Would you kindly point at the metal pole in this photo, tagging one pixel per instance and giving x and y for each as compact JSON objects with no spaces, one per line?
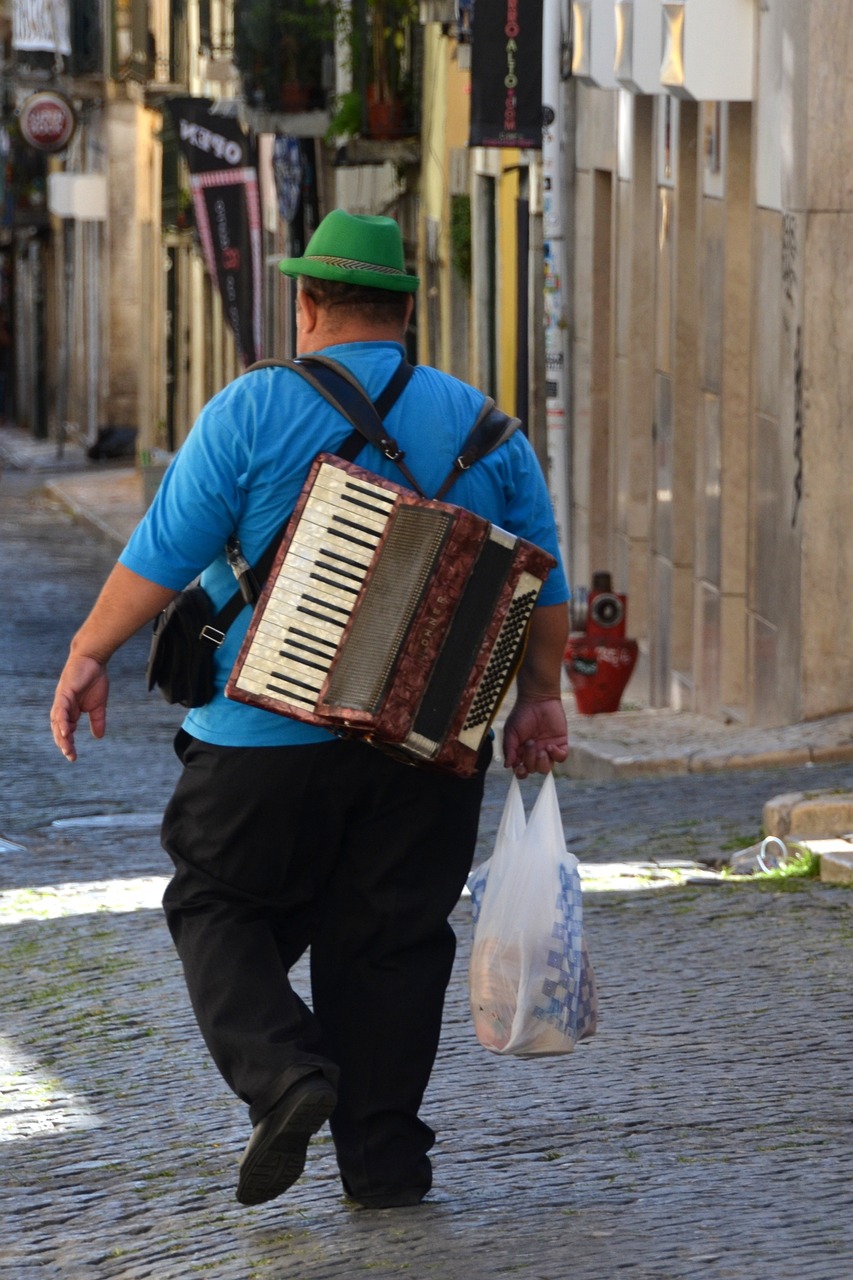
{"x":65,"y":350}
{"x":557,"y":284}
{"x":537,"y":379}
{"x":92,"y":272}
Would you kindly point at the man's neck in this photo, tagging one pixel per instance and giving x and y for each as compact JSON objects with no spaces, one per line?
{"x":336,"y":335}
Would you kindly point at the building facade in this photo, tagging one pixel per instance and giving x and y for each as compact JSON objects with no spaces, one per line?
{"x":114,"y":321}
{"x":711,"y":345}
{"x":666,"y":308}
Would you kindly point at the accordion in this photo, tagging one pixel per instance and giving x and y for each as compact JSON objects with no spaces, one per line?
{"x":390,"y":617}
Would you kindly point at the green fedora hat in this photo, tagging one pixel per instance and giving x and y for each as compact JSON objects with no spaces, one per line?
{"x":355,"y":249}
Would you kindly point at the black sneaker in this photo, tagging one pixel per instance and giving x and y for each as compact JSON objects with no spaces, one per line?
{"x":275,"y":1155}
{"x":405,"y":1199}
{"x":404,"y":1195}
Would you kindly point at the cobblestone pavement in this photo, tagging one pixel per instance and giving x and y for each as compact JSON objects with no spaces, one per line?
{"x":704,"y":1132}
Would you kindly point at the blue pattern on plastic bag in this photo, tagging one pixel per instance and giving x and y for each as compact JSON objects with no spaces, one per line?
{"x":561,"y":985}
{"x":568,"y":993}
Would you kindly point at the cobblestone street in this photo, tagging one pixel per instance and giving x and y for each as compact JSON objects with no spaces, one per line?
{"x":704,"y":1132}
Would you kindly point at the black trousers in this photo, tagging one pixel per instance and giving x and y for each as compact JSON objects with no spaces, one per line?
{"x":336,"y":847}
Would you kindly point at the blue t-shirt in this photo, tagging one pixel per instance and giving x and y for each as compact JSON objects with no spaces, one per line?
{"x":243,"y":466}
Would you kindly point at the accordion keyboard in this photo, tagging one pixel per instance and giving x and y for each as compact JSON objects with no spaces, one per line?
{"x":311,"y":601}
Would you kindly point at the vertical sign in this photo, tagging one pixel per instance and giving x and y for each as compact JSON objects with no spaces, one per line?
{"x":506,"y":74}
{"x":556,"y":284}
{"x":226,"y":202}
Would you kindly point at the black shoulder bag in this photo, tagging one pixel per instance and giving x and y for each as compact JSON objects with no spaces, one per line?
{"x":188,"y":632}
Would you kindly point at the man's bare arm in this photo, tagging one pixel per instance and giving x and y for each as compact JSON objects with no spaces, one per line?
{"x":535,"y":734}
{"x":127,"y":601}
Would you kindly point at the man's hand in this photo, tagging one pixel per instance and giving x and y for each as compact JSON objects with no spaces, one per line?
{"x":126,"y":602}
{"x":535,"y":736}
{"x":83,"y":689}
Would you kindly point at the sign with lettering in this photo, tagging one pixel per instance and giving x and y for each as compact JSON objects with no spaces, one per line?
{"x":47,"y":121}
{"x":506,"y":74}
{"x":223,"y":169}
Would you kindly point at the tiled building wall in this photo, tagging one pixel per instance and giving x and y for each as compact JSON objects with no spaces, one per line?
{"x":713,"y":384}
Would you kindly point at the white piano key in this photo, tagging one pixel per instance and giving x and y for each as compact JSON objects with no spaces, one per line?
{"x":313,"y":541}
{"x":332,"y":479}
{"x":287,"y":603}
{"x":251,"y":682}
{"x":306,"y":578}
{"x":267,"y":655}
{"x":325,"y":514}
{"x":281,"y":674}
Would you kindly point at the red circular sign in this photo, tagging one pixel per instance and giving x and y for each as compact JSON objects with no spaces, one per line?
{"x":47,"y":121}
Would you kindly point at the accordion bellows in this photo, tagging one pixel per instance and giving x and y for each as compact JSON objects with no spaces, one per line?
{"x":390,"y":617}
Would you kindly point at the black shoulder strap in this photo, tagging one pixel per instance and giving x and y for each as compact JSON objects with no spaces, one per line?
{"x":397,"y":383}
{"x":345,"y":393}
{"x":491,"y":429}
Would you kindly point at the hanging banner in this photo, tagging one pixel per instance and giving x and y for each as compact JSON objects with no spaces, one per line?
{"x":226,"y":203}
{"x":506,"y":74}
{"x":41,"y":25}
{"x":287,"y":167}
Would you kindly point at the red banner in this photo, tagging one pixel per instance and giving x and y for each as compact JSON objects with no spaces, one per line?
{"x":506,"y":74}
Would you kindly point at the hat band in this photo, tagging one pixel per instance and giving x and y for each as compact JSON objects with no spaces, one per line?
{"x":351,"y":264}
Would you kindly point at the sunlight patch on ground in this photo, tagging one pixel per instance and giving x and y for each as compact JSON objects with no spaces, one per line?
{"x":145,"y":893}
{"x":605,"y":877}
{"x":33,"y":1103}
{"x":129,"y":821}
{"x":51,"y":901}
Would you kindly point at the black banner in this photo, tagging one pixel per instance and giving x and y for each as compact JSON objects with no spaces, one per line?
{"x":506,"y":74}
{"x":226,"y":203}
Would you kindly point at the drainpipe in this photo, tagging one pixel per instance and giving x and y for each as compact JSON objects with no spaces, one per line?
{"x":557,"y":207}
{"x":64,"y":361}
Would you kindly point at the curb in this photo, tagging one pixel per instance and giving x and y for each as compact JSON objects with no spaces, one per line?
{"x":813,"y":815}
{"x":597,"y":765}
{"x":113,"y":519}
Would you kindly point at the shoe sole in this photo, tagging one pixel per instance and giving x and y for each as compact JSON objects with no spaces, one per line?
{"x":277,"y":1159}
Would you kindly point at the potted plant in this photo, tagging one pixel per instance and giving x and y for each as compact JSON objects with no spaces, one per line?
{"x":279,"y":49}
{"x":390,"y":25}
{"x":379,"y":36}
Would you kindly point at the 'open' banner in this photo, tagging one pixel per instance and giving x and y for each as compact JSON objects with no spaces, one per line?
{"x":226,"y":203}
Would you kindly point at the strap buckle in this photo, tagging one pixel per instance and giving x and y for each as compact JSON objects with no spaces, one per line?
{"x":212,"y":634}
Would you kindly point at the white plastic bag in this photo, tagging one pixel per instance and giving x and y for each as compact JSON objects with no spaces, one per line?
{"x":531,"y":983}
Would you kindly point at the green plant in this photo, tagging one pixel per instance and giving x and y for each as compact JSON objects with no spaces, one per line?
{"x":347,"y":118}
{"x":389,"y":20}
{"x":378,"y":36}
{"x":801,"y":864}
{"x":804,"y":865}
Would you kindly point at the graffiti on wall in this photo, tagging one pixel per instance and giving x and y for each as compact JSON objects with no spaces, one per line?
{"x":798,"y":427}
{"x":790,"y":253}
{"x":789,"y":256}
